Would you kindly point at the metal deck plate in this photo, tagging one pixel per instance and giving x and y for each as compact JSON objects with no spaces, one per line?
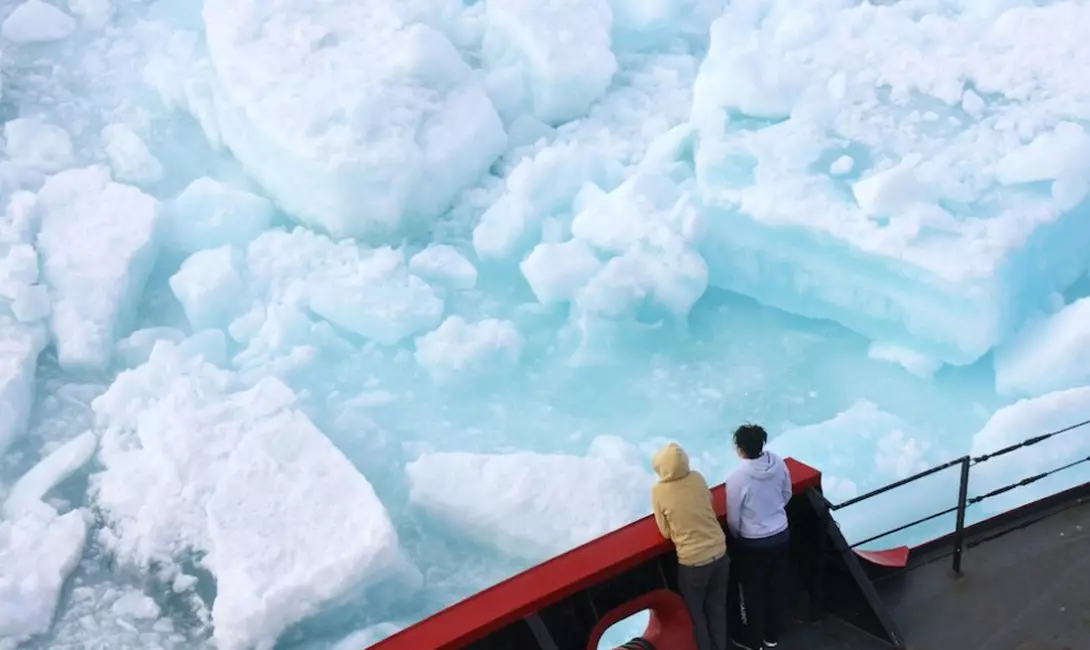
{"x":1028,"y":589}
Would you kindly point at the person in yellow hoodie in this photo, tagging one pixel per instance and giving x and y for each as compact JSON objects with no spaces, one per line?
{"x":683,"y":511}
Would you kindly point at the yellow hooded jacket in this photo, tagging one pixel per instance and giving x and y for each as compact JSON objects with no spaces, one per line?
{"x":683,"y":509}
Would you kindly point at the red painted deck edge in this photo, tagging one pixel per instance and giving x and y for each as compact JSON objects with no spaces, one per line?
{"x":483,"y":613}
{"x":891,"y":558}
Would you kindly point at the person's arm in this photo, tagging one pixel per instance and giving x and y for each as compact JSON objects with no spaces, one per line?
{"x":735,"y":497}
{"x":660,"y":516}
{"x":786,"y":486}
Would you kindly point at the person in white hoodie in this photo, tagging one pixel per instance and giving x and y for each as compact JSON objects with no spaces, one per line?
{"x":757,"y":496}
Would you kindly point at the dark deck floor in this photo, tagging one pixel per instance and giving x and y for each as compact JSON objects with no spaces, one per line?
{"x":1028,"y":589}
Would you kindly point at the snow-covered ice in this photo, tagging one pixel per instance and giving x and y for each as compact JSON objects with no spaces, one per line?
{"x":345,"y":141}
{"x":934,"y":239}
{"x":97,"y":243}
{"x":550,"y":503}
{"x":318,"y":317}
{"x":197,"y":466}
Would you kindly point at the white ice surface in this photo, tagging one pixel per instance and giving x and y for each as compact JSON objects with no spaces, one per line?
{"x":197,"y":463}
{"x":23,"y":305}
{"x":209,"y":213}
{"x":560,"y":50}
{"x":19,"y":349}
{"x":129,"y":157}
{"x":445,"y":265}
{"x":457,"y":347}
{"x":38,"y":546}
{"x":934,"y":241}
{"x":529,"y":505}
{"x":36,"y":21}
{"x":1048,"y":354}
{"x":1023,"y":420}
{"x":359,"y":119}
{"x":95,"y":262}
{"x":38,"y":145}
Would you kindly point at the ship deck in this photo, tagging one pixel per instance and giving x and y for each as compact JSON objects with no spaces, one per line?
{"x":1025,"y":585}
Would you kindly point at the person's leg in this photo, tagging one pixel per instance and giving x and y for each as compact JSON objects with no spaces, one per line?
{"x":778,"y":595}
{"x":715,"y":605}
{"x":752,"y":597}
{"x":693,"y":584}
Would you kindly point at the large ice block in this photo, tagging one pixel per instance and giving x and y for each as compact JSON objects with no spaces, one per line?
{"x":196,"y":463}
{"x":529,"y":505}
{"x":357,"y":118}
{"x":1017,"y":423}
{"x":963,"y":203}
{"x":560,"y":49}
{"x":97,"y":243}
{"x":1049,"y":354}
{"x":39,"y":547}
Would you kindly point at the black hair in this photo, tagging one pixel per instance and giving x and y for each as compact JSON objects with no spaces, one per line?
{"x":751,"y":439}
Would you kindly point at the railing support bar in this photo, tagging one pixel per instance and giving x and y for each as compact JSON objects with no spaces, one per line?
{"x":963,"y":503}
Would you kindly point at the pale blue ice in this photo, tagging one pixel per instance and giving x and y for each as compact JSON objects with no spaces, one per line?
{"x":316,"y":318}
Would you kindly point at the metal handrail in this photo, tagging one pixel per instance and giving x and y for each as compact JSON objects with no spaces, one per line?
{"x":964,"y":500}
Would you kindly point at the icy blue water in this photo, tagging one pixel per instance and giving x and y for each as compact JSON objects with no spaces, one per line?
{"x":318,"y":317}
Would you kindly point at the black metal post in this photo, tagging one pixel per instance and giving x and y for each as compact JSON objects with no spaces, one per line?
{"x":817,"y":586}
{"x":959,"y":530}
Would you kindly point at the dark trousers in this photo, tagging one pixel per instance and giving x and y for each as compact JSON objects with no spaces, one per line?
{"x":762,"y":572}
{"x":704,"y":589}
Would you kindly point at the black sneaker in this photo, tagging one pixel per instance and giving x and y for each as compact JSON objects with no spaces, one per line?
{"x":739,"y":644}
{"x":771,"y":644}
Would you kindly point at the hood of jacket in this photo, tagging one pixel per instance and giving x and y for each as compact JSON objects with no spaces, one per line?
{"x":671,"y":463}
{"x":761,"y":468}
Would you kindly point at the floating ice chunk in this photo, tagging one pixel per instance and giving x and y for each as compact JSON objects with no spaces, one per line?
{"x":30,"y":490}
{"x":972,"y":104}
{"x":38,"y":547}
{"x":209,"y":287}
{"x":951,"y":275}
{"x":134,"y":349}
{"x":642,"y":22}
{"x":537,"y":188}
{"x":1050,"y":156}
{"x":37,"y":550}
{"x":529,"y":505}
{"x":378,"y":300}
{"x":861,"y":449}
{"x":556,"y":272}
{"x":97,"y":243}
{"x":443,"y":264}
{"x":357,"y":119}
{"x":842,"y":165}
{"x":1023,"y":420}
{"x":269,"y":575}
{"x":95,"y":14}
{"x":36,"y":144}
{"x":134,"y":605}
{"x":129,"y":157}
{"x":208,"y":214}
{"x":673,"y":279}
{"x":36,"y":21}
{"x":1049,"y":354}
{"x":29,"y":301}
{"x":458,"y":346}
{"x":562,"y":50}
{"x":209,"y":345}
{"x":20,"y":346}
{"x":646,"y":208}
{"x":196,"y":464}
{"x":738,"y":75}
{"x":912,"y":361}
{"x":887,"y":192}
